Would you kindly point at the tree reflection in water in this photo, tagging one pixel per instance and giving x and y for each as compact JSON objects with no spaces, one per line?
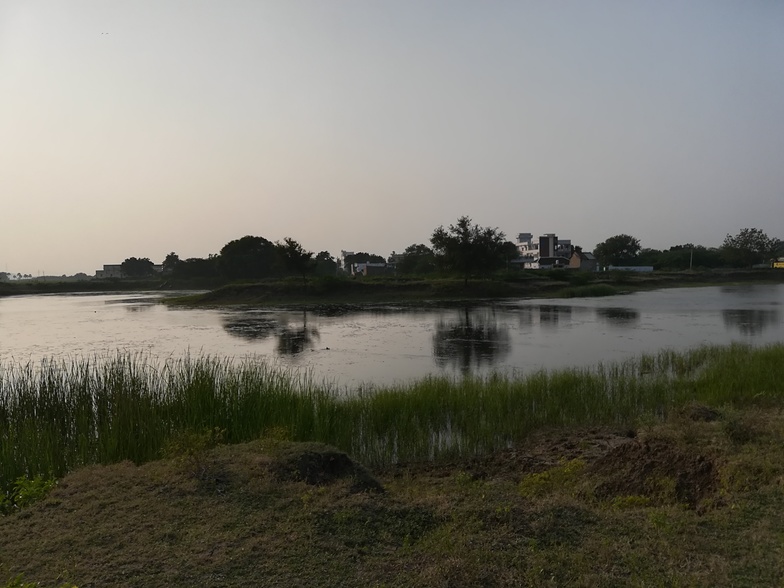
{"x":550,"y":315}
{"x":291,"y":340}
{"x":249,"y":326}
{"x":473,"y":340}
{"x":619,"y":316}
{"x":749,"y":321}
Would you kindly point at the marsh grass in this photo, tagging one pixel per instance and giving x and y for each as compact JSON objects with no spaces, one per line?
{"x":58,"y":415}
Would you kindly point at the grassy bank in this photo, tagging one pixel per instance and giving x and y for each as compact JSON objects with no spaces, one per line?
{"x":60,"y":415}
{"x":526,"y":284}
{"x":693,"y":499}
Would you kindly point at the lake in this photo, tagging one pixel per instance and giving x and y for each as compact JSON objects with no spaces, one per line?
{"x":384,"y":344}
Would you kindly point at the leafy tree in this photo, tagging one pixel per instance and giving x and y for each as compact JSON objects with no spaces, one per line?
{"x":171,"y":262}
{"x":295,"y":258}
{"x":510,"y":251}
{"x":467,"y":248}
{"x":197,"y":267}
{"x":249,"y":258}
{"x":137,"y":267}
{"x":748,"y":247}
{"x":648,"y":256}
{"x":325,"y":264}
{"x":617,"y":250}
{"x":417,"y":259}
{"x":361,"y":257}
{"x":4,"y":276}
{"x":688,"y":255}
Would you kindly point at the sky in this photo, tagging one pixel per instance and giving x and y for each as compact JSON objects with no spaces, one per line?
{"x":133,"y":129}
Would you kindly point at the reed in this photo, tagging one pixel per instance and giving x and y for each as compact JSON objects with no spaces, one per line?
{"x":60,"y":414}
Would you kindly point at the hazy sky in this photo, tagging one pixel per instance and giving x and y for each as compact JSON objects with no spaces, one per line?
{"x":140,"y":128}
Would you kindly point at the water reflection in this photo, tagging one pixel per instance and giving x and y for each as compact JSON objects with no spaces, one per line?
{"x":749,"y":321}
{"x":138,"y":307}
{"x":551,"y":315}
{"x":472,"y":340}
{"x":249,"y":326}
{"x":619,"y":316}
{"x":291,"y":339}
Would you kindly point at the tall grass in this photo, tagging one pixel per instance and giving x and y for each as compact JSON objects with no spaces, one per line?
{"x":57,"y":415}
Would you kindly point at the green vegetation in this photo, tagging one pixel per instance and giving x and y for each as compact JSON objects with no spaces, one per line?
{"x":57,"y":416}
{"x":684,"y":502}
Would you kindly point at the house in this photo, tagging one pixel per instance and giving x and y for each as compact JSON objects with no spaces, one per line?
{"x":114,"y":270}
{"x":111,"y":270}
{"x":368,"y":269}
{"x":583,"y":261}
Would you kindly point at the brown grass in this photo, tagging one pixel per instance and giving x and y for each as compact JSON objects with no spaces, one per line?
{"x":692,"y":502}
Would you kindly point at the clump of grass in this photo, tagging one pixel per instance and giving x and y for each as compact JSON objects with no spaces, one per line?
{"x":562,"y":477}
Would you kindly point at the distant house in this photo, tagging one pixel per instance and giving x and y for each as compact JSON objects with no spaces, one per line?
{"x":583,"y":261}
{"x":368,"y":269}
{"x":546,"y":252}
{"x":114,"y":270}
{"x":111,"y":270}
{"x":553,"y":262}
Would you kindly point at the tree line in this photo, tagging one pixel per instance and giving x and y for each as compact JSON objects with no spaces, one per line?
{"x":464,"y":248}
{"x":749,"y":247}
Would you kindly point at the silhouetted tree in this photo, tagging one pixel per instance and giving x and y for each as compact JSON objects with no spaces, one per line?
{"x":249,"y":258}
{"x":295,"y":258}
{"x":361,"y":257}
{"x":748,"y":247}
{"x":325,"y":264}
{"x":617,"y":250}
{"x":417,"y":259}
{"x":171,"y":262}
{"x":197,"y":267}
{"x":467,"y":248}
{"x":137,"y":267}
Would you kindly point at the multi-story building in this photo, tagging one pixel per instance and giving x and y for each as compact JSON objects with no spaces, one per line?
{"x":548,"y":251}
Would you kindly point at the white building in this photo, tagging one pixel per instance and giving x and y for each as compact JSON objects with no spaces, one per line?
{"x":546,"y":252}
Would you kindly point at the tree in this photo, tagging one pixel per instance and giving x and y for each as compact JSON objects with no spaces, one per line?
{"x":617,"y":250}
{"x":748,"y":247}
{"x":467,"y":248}
{"x":198,"y":267}
{"x":171,"y":262}
{"x":510,"y":252}
{"x":249,"y":258}
{"x":295,"y":258}
{"x":325,"y":264}
{"x":137,"y":267}
{"x":361,"y":257}
{"x":417,"y":259}
{"x":688,"y":255}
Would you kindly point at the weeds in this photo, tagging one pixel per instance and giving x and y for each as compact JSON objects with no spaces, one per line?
{"x":24,"y":492}
{"x":59,"y":415}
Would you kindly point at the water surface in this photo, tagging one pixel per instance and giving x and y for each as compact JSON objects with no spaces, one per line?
{"x":388,"y":344}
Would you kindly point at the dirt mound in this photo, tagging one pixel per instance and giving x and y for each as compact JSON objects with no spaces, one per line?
{"x":320,"y":465}
{"x":657,"y":469}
